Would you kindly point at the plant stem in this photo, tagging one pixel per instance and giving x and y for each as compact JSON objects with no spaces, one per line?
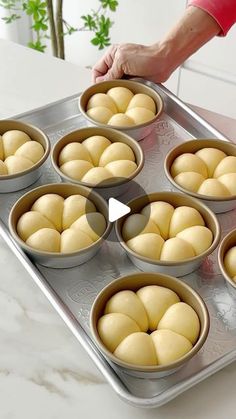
{"x":59,"y":29}
{"x":52,"y":27}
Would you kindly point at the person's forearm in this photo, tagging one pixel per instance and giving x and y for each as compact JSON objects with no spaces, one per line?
{"x":193,"y":30}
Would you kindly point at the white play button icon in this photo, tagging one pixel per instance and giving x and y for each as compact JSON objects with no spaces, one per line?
{"x":116,"y":209}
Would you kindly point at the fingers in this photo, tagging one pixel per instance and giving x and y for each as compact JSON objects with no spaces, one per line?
{"x":104,"y":64}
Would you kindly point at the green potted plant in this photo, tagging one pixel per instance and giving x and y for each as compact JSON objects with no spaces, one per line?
{"x":48,"y":22}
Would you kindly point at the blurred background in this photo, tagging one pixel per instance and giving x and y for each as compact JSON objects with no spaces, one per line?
{"x":208,"y":79}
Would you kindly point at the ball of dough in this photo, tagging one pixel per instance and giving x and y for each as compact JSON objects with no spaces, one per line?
{"x":31,"y":150}
{"x":95,"y":145}
{"x":199,"y":237}
{"x":12,"y":140}
{"x":121,"y":120}
{"x":100,"y":114}
{"x":73,"y":240}
{"x":156,"y":301}
{"x":141,"y":100}
{"x":227,"y":165}
{"x":229,"y":181}
{"x":211,"y":157}
{"x":176,"y":249}
{"x":128,"y":303}
{"x":101,"y":99}
{"x":212,"y":187}
{"x":74,"y":151}
{"x":184,"y":217}
{"x":121,"y":96}
{"x":114,"y":327}
{"x":1,"y":149}
{"x":74,"y":207}
{"x":97,"y":175}
{"x":230,"y":262}
{"x":121,"y":168}
{"x":51,"y":206}
{"x":189,"y":180}
{"x":169,"y":346}
{"x":45,"y":239}
{"x":116,"y":151}
{"x":160,"y":212}
{"x":189,"y":162}
{"x":76,"y":169}
{"x":3,"y":168}
{"x":137,"y":224}
{"x":181,"y":318}
{"x":140,"y":115}
{"x":93,"y":224}
{"x":16,"y":164}
{"x":138,"y":349}
{"x":30,"y":222}
{"x":148,"y":245}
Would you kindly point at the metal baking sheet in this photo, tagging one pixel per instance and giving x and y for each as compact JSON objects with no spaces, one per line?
{"x":72,"y":291}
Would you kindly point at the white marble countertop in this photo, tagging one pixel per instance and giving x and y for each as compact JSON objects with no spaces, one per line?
{"x":44,"y":373}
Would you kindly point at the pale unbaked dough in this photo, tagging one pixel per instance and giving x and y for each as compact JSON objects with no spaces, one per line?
{"x":211,"y":157}
{"x":95,"y":145}
{"x":189,"y":180}
{"x":128,"y":303}
{"x":100,"y":114}
{"x":97,"y":175}
{"x":142,"y":100}
{"x":18,"y":152}
{"x":169,"y":346}
{"x":73,"y":240}
{"x":200,"y":238}
{"x":116,"y":151}
{"x":229,"y":181}
{"x":75,"y":218}
{"x":184,"y":217}
{"x":140,"y":115}
{"x":114,"y":327}
{"x":160,"y":212}
{"x":227,"y":165}
{"x":212,"y":187}
{"x":31,"y":150}
{"x":156,"y":300}
{"x":121,"y":120}
{"x":148,"y":245}
{"x":189,"y":162}
{"x":181,"y":318}
{"x":76,"y":169}
{"x":230,"y":262}
{"x":121,"y":96}
{"x":30,"y":222}
{"x":137,"y":348}
{"x":121,"y":168}
{"x":45,"y":239}
{"x":12,"y":140}
{"x":137,"y":224}
{"x":16,"y":164}
{"x":74,"y":151}
{"x":102,"y":99}
{"x":176,"y":249}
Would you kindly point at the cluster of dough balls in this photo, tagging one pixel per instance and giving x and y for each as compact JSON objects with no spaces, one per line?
{"x":96,"y":160}
{"x":121,"y":107}
{"x":230,"y":262}
{"x":55,"y":224}
{"x":209,"y":171}
{"x":165,"y":233}
{"x":149,"y":327}
{"x":18,"y":152}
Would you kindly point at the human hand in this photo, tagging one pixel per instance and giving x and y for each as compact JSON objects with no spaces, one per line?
{"x":148,"y":62}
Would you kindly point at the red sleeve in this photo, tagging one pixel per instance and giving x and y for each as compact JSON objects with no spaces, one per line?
{"x":223,"y":11}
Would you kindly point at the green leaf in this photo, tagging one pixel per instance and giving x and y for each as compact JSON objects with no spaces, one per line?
{"x":95,"y":41}
{"x":111,"y":4}
{"x":38,"y":46}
